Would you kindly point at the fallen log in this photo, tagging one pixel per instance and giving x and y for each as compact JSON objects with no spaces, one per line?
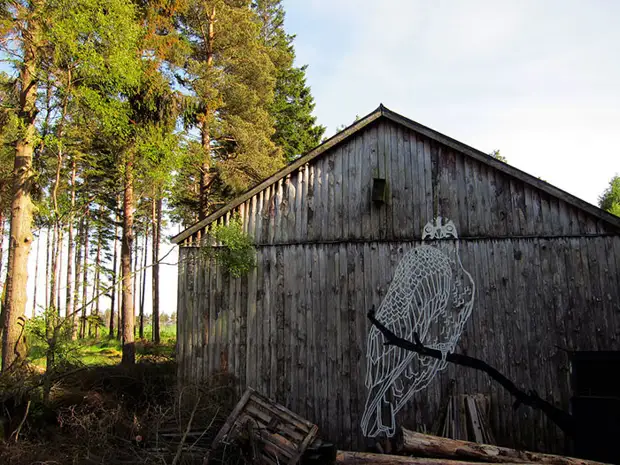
{"x":434,"y":446}
{"x":366,"y":458}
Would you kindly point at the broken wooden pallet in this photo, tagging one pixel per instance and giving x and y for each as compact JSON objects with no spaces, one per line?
{"x":274,"y":433}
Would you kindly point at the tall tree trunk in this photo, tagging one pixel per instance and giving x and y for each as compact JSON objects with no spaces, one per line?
{"x":58,"y":277}
{"x":97,"y":285}
{"x":156,"y":233}
{"x":36,"y":276}
{"x":114,"y":275}
{"x":135,"y":274}
{"x":77,"y":282}
{"x":48,"y":260}
{"x":1,"y":246}
{"x":83,"y":319}
{"x":129,"y":348}
{"x":20,"y":236}
{"x":70,"y":245}
{"x":143,"y":278}
{"x":53,"y":270}
{"x":205,"y":136}
{"x":119,"y":314}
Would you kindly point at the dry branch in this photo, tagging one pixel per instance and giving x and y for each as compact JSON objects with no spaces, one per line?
{"x":561,"y":418}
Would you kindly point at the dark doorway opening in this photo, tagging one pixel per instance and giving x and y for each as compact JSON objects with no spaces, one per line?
{"x":595,"y":379}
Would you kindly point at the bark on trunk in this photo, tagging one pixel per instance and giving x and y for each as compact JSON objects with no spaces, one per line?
{"x":48,"y":260}
{"x":20,"y":237}
{"x":84,"y":280}
{"x":129,"y":349}
{"x":1,"y":247}
{"x":53,"y":271}
{"x":97,"y":283}
{"x":77,"y":282}
{"x":70,"y":246}
{"x":205,"y":169}
{"x":136,"y":287}
{"x":59,"y":271}
{"x":36,"y":276}
{"x":434,"y":446}
{"x":114,"y":276}
{"x":156,"y":235}
{"x":143,"y":279}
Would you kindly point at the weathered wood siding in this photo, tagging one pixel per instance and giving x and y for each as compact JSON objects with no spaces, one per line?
{"x":329,"y":199}
{"x":295,"y":328}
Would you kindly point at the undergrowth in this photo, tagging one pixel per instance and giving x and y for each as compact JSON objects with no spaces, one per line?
{"x":110,"y":415}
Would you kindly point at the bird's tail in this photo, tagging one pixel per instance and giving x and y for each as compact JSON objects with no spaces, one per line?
{"x":374,"y":422}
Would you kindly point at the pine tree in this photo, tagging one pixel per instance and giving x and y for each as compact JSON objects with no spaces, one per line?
{"x":296,"y":131}
{"x":231,"y":77}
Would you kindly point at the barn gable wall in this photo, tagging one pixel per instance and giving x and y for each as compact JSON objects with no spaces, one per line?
{"x":295,"y":327}
{"x":329,"y":199}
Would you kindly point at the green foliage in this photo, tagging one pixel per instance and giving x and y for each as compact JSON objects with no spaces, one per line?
{"x":49,"y":336}
{"x":496,"y":154}
{"x":233,"y":248}
{"x":296,"y":130}
{"x":610,"y":198}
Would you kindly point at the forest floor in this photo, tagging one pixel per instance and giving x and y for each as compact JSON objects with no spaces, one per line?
{"x":104,"y":350}
{"x":93,"y":411}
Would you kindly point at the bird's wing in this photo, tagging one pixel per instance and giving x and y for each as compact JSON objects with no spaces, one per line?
{"x":418,"y":292}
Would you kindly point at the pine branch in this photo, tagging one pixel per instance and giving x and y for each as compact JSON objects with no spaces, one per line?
{"x":562,"y":419}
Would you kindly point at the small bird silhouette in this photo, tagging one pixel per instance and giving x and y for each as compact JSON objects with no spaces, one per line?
{"x":431,"y":294}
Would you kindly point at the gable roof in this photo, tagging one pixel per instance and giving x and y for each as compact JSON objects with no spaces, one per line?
{"x":383,"y":112}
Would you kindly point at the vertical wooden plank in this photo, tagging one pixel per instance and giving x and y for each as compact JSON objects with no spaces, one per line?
{"x":388,"y":137}
{"x":334,"y":339}
{"x":311,"y":319}
{"x":252,"y":318}
{"x":462,"y":199}
{"x":262,"y":322}
{"x":411,"y":197}
{"x":276,"y":216}
{"x":304,"y":173}
{"x":301,"y":309}
{"x":290,"y":262}
{"x":182,"y":297}
{"x":268,"y":362}
{"x":287,"y":210}
{"x":318,"y":362}
{"x":346,"y":304}
{"x":339,"y":203}
{"x":372,"y":147}
{"x":360,"y":176}
{"x":278,"y":351}
{"x":311,"y":229}
{"x":285,"y":330}
{"x":597,"y":264}
{"x":320,"y":201}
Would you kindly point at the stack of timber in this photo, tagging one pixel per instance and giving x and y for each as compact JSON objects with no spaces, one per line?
{"x":434,"y":450}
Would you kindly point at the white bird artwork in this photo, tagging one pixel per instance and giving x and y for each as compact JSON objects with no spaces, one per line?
{"x":431,"y":294}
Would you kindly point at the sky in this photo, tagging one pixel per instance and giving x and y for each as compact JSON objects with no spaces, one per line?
{"x":540,"y":81}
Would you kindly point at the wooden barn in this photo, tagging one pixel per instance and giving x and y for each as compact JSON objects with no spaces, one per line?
{"x":330,"y":229}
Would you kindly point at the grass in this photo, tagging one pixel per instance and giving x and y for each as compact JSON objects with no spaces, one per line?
{"x":108,"y":351}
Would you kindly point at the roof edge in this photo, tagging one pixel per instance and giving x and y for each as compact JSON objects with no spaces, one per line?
{"x":505,"y":168}
{"x":312,"y":154}
{"x":382,"y":111}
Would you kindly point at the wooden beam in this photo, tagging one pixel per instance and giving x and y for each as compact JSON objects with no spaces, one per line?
{"x":366,"y":458}
{"x":434,"y":446}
